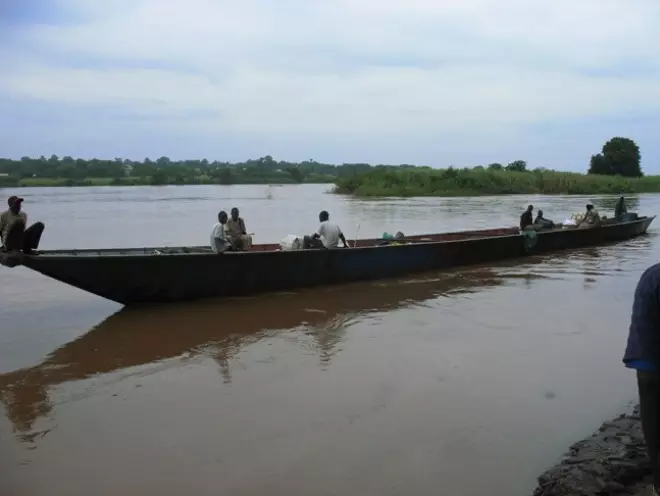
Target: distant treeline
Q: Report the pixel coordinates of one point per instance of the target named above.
(615, 170)
(69, 171)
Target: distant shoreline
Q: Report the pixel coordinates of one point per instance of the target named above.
(114, 182)
(483, 182)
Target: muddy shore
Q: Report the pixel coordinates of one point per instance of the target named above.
(613, 461)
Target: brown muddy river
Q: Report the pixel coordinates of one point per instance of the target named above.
(463, 383)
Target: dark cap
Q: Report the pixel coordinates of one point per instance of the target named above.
(14, 199)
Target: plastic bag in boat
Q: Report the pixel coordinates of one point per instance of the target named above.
(577, 216)
(291, 242)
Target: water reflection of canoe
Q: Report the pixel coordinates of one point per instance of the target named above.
(152, 275)
(136, 337)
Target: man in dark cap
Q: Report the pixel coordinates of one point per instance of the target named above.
(13, 232)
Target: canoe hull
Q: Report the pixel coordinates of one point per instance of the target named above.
(133, 279)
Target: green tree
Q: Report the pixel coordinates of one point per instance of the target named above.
(623, 156)
(598, 165)
(225, 176)
(163, 162)
(495, 166)
(517, 166)
(619, 156)
(296, 174)
(158, 179)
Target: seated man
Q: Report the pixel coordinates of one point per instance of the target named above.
(542, 221)
(590, 219)
(327, 236)
(15, 236)
(236, 231)
(219, 241)
(526, 219)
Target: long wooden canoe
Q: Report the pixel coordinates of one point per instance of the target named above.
(157, 275)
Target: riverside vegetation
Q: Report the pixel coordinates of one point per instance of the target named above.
(480, 181)
(615, 170)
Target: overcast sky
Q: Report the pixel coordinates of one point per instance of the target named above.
(433, 82)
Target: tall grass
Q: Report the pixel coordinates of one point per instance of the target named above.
(474, 182)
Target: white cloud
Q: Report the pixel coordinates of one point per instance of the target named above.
(349, 67)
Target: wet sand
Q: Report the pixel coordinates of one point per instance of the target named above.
(473, 381)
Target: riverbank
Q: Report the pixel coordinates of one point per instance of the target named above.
(476, 182)
(612, 461)
(43, 182)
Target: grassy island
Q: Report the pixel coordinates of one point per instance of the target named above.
(423, 181)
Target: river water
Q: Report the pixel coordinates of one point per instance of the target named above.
(466, 383)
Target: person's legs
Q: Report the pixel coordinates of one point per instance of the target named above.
(32, 236)
(15, 236)
(309, 242)
(648, 384)
(237, 243)
(247, 241)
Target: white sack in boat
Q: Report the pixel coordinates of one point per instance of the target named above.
(291, 242)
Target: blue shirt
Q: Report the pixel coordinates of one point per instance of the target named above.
(643, 365)
(643, 347)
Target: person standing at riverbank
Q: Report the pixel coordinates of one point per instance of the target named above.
(643, 355)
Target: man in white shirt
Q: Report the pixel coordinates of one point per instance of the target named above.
(327, 235)
(219, 241)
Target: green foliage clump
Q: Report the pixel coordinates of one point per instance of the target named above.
(619, 157)
(490, 181)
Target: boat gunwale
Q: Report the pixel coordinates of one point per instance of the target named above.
(129, 253)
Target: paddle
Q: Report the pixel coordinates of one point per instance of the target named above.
(357, 231)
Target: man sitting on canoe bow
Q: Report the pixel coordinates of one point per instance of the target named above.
(13, 232)
(327, 235)
(219, 241)
(236, 231)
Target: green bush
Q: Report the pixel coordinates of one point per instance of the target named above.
(492, 181)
